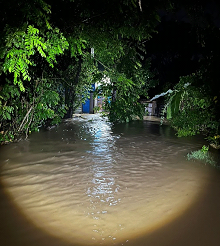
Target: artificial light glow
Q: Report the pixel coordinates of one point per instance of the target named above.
(105, 80)
(101, 196)
(103, 213)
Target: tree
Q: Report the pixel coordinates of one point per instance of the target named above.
(192, 107)
(117, 30)
(23, 48)
(76, 79)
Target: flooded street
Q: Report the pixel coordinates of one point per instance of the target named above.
(88, 182)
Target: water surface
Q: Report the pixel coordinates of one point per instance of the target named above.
(88, 182)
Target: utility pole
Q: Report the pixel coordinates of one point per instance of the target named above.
(91, 105)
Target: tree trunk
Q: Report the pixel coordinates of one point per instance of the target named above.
(70, 95)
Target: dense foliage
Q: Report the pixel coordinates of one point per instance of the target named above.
(27, 99)
(123, 91)
(190, 108)
(193, 106)
(34, 33)
(47, 68)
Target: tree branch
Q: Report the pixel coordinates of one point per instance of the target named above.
(94, 17)
(139, 2)
(22, 123)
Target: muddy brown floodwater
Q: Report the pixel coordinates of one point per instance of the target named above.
(88, 182)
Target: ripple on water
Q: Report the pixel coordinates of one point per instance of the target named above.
(105, 189)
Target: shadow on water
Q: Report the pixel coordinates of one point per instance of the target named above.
(196, 225)
(17, 230)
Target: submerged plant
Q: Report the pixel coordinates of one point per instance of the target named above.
(214, 141)
(202, 155)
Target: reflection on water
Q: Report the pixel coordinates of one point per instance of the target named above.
(89, 182)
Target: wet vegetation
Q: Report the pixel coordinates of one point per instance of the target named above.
(143, 47)
(202, 155)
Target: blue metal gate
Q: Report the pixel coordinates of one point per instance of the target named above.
(87, 107)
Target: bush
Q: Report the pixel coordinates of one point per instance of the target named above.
(202, 155)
